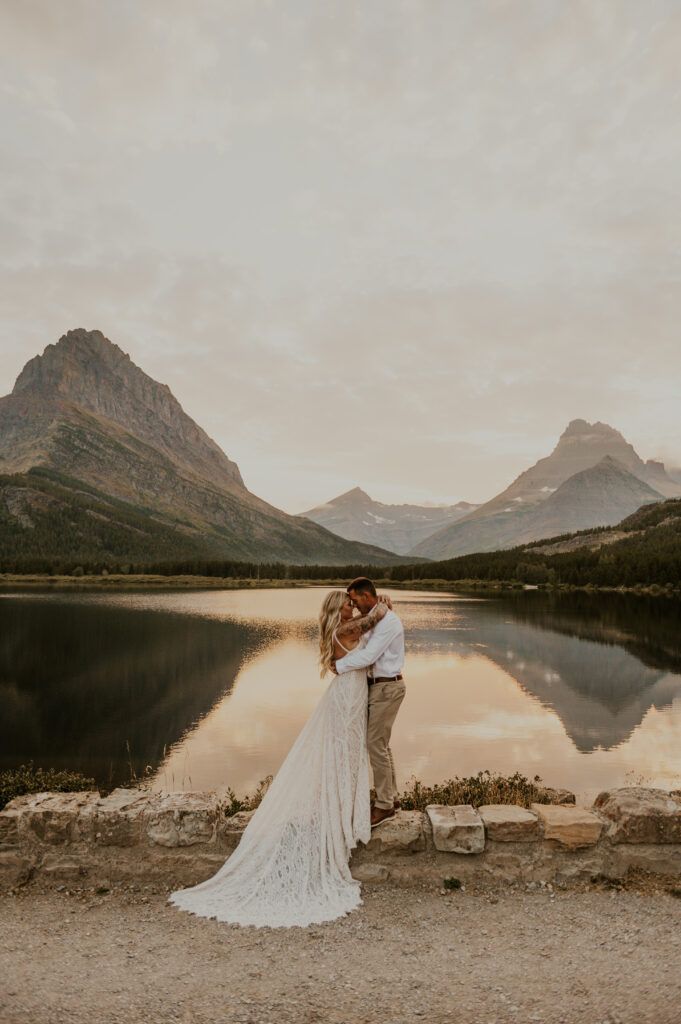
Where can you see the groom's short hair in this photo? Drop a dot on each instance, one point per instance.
(362, 585)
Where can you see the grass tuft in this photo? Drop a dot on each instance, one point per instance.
(247, 803)
(451, 883)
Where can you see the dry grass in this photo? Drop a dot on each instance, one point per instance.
(484, 788)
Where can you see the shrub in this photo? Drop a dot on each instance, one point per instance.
(452, 883)
(29, 779)
(247, 803)
(483, 788)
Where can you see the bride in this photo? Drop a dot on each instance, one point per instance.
(291, 866)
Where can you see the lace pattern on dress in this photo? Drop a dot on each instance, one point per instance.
(291, 867)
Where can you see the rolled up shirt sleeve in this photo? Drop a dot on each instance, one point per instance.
(383, 635)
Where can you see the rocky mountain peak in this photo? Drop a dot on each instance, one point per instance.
(587, 443)
(87, 369)
(583, 444)
(356, 516)
(585, 432)
(156, 486)
(354, 496)
(79, 352)
(587, 455)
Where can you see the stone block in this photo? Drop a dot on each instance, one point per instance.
(183, 819)
(556, 796)
(26, 800)
(401, 834)
(640, 815)
(120, 819)
(456, 829)
(508, 823)
(56, 818)
(15, 815)
(572, 827)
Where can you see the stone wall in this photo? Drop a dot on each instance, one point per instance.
(183, 838)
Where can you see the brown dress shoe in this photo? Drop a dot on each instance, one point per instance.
(381, 814)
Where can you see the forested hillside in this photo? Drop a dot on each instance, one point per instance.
(644, 549)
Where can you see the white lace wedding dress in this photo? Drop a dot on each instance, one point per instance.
(291, 865)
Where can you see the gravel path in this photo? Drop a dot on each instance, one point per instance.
(592, 955)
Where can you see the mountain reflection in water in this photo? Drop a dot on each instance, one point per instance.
(210, 688)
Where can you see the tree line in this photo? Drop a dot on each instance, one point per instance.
(649, 553)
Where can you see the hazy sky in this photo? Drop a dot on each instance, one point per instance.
(393, 244)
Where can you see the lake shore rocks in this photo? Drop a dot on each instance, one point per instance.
(572, 827)
(456, 829)
(508, 823)
(185, 837)
(638, 815)
(400, 835)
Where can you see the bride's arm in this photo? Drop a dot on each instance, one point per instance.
(362, 624)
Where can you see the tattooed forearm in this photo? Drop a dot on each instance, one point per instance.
(362, 624)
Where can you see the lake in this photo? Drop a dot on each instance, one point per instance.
(210, 688)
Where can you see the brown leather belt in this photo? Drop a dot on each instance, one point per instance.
(382, 679)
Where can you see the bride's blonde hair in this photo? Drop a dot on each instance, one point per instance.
(329, 620)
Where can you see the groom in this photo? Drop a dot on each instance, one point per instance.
(383, 656)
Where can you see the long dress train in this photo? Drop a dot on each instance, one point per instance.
(291, 865)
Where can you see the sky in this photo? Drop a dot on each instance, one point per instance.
(397, 245)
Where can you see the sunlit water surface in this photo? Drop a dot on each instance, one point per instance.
(210, 688)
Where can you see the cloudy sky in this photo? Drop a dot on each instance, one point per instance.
(393, 244)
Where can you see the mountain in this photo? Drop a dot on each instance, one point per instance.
(643, 550)
(604, 494)
(356, 516)
(83, 416)
(512, 517)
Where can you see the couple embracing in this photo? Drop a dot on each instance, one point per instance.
(291, 866)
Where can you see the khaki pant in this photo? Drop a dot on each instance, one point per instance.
(384, 703)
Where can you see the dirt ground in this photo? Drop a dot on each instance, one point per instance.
(595, 954)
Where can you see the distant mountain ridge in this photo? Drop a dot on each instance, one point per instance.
(90, 445)
(83, 411)
(605, 493)
(538, 503)
(356, 516)
(643, 550)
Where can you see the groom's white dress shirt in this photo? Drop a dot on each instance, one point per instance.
(384, 649)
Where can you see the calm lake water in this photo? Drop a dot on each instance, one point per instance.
(210, 688)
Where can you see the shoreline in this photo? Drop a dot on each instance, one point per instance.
(146, 836)
(135, 581)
